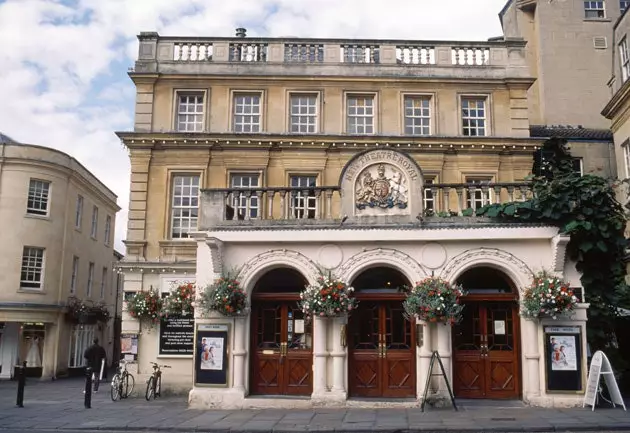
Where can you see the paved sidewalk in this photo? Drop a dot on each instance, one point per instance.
(59, 406)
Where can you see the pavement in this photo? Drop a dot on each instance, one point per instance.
(58, 406)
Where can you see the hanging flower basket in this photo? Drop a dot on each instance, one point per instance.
(179, 301)
(434, 300)
(146, 306)
(80, 312)
(101, 313)
(327, 298)
(547, 296)
(224, 296)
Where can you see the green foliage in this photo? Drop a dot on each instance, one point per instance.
(586, 209)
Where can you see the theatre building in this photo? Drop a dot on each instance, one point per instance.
(281, 159)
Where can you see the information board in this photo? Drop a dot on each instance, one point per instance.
(563, 358)
(177, 335)
(129, 347)
(600, 366)
(211, 354)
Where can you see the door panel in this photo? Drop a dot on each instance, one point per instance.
(501, 359)
(398, 360)
(469, 368)
(365, 367)
(298, 354)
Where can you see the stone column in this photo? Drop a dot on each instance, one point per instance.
(444, 349)
(531, 379)
(320, 355)
(9, 349)
(424, 359)
(240, 352)
(50, 343)
(338, 353)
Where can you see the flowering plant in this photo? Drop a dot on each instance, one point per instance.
(328, 298)
(145, 306)
(179, 301)
(434, 300)
(224, 296)
(547, 296)
(101, 312)
(78, 311)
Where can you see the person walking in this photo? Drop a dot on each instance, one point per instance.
(95, 355)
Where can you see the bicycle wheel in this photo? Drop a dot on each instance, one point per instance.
(129, 384)
(150, 392)
(115, 388)
(158, 387)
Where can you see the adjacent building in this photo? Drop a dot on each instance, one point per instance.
(57, 246)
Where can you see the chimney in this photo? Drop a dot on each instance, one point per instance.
(241, 32)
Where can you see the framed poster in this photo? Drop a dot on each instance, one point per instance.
(563, 355)
(177, 335)
(211, 355)
(129, 347)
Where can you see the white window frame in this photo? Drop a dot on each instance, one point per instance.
(38, 197)
(464, 99)
(300, 205)
(178, 211)
(427, 194)
(239, 112)
(104, 275)
(239, 201)
(90, 281)
(581, 161)
(194, 121)
(624, 58)
(32, 268)
(81, 337)
(626, 158)
(481, 198)
(623, 5)
(302, 121)
(595, 8)
(94, 226)
(108, 229)
(368, 120)
(415, 116)
(75, 275)
(78, 216)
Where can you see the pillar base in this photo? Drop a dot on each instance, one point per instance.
(213, 398)
(559, 401)
(330, 398)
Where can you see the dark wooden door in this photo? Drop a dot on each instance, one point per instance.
(382, 348)
(282, 358)
(485, 346)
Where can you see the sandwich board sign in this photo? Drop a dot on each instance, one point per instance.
(600, 366)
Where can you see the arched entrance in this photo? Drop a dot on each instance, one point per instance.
(381, 342)
(486, 342)
(281, 340)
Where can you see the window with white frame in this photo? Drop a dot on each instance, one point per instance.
(103, 283)
(94, 229)
(32, 270)
(480, 196)
(578, 166)
(75, 275)
(38, 194)
(108, 229)
(190, 111)
(247, 112)
(241, 199)
(81, 338)
(303, 117)
(474, 116)
(90, 281)
(78, 214)
(303, 202)
(594, 9)
(184, 205)
(624, 58)
(360, 114)
(626, 159)
(417, 115)
(428, 198)
(623, 5)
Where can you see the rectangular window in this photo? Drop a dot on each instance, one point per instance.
(38, 194)
(184, 206)
(303, 202)
(90, 281)
(247, 113)
(81, 338)
(108, 229)
(429, 200)
(474, 117)
(240, 200)
(623, 5)
(303, 118)
(578, 166)
(417, 115)
(75, 275)
(103, 283)
(190, 112)
(626, 159)
(479, 196)
(360, 114)
(78, 217)
(94, 230)
(32, 271)
(624, 59)
(594, 9)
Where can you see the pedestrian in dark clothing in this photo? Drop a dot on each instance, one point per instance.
(94, 355)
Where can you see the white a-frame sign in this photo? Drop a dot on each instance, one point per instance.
(600, 366)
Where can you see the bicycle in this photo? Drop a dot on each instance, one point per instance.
(122, 382)
(154, 384)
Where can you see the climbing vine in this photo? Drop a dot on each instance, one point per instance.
(585, 208)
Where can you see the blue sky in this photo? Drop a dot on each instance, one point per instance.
(63, 63)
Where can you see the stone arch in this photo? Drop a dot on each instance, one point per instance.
(254, 268)
(513, 267)
(398, 260)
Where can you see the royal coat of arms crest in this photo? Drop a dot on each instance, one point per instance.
(384, 191)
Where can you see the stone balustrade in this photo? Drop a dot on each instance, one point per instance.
(455, 197)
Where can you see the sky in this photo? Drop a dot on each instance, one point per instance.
(63, 63)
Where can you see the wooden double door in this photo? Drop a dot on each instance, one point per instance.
(381, 346)
(486, 351)
(282, 357)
